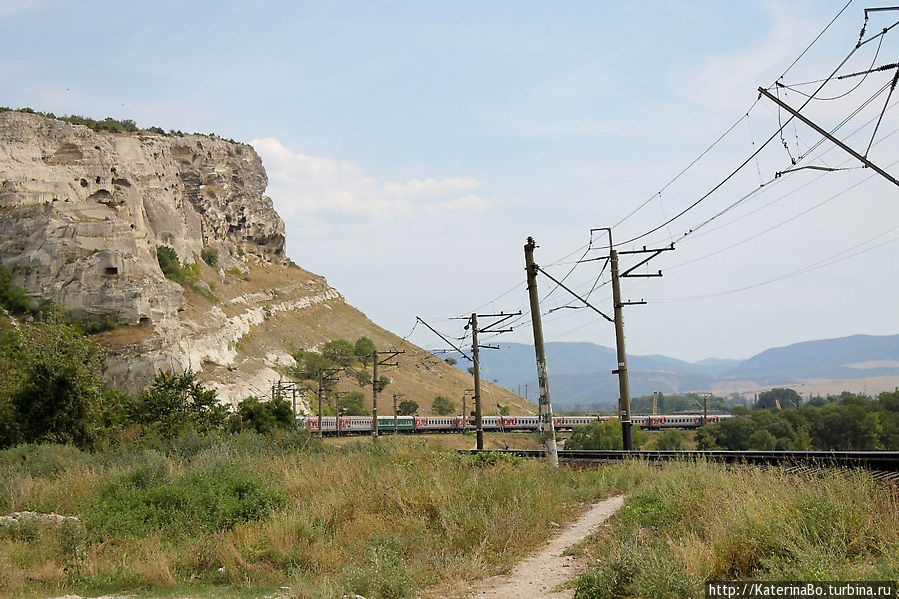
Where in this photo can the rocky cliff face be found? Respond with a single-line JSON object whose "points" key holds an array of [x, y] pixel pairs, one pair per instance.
{"points": [[82, 213]]}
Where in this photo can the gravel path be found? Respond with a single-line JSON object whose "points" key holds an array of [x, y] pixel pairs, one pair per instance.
{"points": [[537, 576]]}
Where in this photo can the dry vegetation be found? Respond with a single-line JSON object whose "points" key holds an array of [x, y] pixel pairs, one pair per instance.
{"points": [[688, 523], [250, 515], [247, 515]]}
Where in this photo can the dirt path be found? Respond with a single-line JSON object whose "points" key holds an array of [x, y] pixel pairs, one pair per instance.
{"points": [[537, 576]]}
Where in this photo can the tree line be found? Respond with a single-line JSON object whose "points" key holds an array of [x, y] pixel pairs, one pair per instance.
{"points": [[847, 422]]}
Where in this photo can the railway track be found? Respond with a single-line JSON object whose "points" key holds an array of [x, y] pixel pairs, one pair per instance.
{"points": [[882, 464]]}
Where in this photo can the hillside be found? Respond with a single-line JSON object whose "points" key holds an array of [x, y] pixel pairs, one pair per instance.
{"points": [[84, 213]]}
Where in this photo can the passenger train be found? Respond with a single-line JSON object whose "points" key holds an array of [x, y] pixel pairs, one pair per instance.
{"points": [[451, 424]]}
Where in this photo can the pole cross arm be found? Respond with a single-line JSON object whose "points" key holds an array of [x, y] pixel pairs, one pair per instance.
{"points": [[836, 141], [503, 317], [655, 252], [585, 302], [392, 353]]}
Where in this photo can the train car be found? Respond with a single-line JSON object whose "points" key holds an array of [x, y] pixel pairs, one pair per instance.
{"points": [[667, 421], [511, 423], [438, 423]]}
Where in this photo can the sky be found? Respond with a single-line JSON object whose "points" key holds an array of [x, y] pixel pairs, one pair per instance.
{"points": [[412, 147]]}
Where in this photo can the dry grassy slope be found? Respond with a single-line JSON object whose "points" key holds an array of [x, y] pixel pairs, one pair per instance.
{"points": [[420, 376]]}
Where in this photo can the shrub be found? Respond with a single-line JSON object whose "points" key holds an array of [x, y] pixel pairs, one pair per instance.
{"points": [[176, 403], [407, 408], [210, 255], [169, 263], [442, 406], [12, 297], [146, 498], [603, 435]]}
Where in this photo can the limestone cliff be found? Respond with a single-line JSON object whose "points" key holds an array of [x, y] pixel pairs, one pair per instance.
{"points": [[81, 216]]}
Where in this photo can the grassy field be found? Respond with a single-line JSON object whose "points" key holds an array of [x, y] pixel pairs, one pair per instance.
{"points": [[687, 523], [248, 516]]}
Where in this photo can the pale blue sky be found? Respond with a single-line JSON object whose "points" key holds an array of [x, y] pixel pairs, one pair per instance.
{"points": [[413, 146]]}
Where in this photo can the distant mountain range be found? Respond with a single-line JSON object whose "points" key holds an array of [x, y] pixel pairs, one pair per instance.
{"points": [[581, 373]]}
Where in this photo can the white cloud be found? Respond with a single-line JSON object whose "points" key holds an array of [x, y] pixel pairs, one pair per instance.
{"points": [[303, 185], [430, 187], [730, 80]]}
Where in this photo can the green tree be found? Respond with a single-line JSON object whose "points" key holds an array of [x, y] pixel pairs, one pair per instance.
{"points": [[670, 439], [339, 352], [762, 440], [788, 398], [311, 365], [382, 383], [263, 416], [603, 435], [407, 408], [450, 361], [364, 350], [55, 391], [442, 406], [176, 403], [351, 404], [503, 410]]}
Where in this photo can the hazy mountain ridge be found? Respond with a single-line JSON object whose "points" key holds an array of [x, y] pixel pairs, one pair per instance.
{"points": [[581, 373]]}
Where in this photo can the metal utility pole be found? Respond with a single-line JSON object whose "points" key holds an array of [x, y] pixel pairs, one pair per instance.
{"points": [[863, 159], [473, 323], [545, 426], [655, 403]]}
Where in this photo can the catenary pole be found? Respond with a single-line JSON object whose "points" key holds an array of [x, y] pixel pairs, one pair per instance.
{"points": [[624, 401], [545, 426], [479, 427]]}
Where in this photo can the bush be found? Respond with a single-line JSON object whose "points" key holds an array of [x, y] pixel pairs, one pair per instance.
{"points": [[169, 263], [146, 498], [177, 403], [263, 416], [12, 297], [670, 439], [442, 406], [54, 388], [210, 255], [603, 435], [407, 408]]}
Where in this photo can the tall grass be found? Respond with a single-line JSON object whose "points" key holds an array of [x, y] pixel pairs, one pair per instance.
{"points": [[688, 523], [246, 515]]}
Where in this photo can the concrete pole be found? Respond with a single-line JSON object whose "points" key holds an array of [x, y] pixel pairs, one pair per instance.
{"points": [[319, 404], [624, 402], [479, 427], [545, 427], [374, 396]]}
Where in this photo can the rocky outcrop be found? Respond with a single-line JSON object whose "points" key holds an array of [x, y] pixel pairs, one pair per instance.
{"points": [[81, 213], [81, 216]]}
